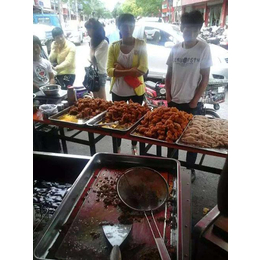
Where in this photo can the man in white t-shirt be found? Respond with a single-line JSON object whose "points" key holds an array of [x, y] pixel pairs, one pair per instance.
{"points": [[188, 72]]}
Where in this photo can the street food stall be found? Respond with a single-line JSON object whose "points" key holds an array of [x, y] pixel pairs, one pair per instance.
{"points": [[91, 193], [211, 140]]}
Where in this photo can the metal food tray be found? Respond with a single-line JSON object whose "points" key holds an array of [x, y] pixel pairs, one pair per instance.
{"points": [[80, 193], [55, 118], [94, 122], [217, 150]]}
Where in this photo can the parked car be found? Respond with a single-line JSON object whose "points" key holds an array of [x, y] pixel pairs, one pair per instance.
{"points": [[150, 19], [151, 33], [159, 48], [47, 19]]}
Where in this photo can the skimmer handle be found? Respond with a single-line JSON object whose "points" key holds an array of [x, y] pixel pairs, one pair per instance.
{"points": [[115, 253], [162, 249]]}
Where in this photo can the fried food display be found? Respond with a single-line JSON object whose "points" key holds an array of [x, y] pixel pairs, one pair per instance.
{"points": [[125, 113], [87, 108], [205, 132], [164, 123]]}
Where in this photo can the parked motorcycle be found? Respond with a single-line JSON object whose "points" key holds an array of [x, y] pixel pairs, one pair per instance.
{"points": [[155, 94], [214, 94], [215, 35], [224, 43]]}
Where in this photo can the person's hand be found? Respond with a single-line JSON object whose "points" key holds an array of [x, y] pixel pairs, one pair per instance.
{"points": [[168, 97], [193, 104], [55, 68], [134, 72], [35, 87], [118, 66], [56, 47], [52, 81]]}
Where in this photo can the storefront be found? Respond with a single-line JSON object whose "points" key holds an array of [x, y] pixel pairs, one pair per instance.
{"points": [[214, 12], [177, 11], [165, 7]]}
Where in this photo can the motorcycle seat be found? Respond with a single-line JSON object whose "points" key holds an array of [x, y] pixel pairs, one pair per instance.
{"points": [[150, 84]]}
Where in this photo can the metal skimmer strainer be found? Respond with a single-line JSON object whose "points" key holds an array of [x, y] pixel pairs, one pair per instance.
{"points": [[144, 189]]}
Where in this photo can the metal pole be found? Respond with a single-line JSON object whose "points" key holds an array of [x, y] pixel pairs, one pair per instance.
{"points": [[69, 7], [76, 7], [60, 13], [54, 5]]}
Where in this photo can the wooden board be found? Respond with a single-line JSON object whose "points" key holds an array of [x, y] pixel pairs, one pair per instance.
{"points": [[220, 227]]}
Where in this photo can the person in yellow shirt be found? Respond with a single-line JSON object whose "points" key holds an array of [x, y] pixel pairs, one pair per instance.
{"points": [[62, 57], [127, 63]]}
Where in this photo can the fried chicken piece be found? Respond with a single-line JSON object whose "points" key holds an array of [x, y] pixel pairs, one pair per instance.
{"points": [[126, 113], [73, 112], [162, 120], [95, 105]]}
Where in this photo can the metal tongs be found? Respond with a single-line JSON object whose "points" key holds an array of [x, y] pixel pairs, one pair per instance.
{"points": [[111, 123]]}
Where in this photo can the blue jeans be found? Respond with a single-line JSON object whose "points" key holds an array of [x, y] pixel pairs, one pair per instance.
{"points": [[191, 157], [102, 80]]}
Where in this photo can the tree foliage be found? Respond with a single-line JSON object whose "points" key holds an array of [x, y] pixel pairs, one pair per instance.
{"points": [[117, 10], [138, 7], [130, 6], [90, 7], [149, 7]]}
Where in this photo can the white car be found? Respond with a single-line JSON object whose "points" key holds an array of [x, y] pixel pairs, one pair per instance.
{"points": [[151, 33], [150, 19], [158, 49], [74, 35]]}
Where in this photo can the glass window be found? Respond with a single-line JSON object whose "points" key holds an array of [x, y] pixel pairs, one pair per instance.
{"points": [[157, 37], [56, 21], [44, 20], [152, 35]]}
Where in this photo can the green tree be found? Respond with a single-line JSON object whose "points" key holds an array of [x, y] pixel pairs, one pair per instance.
{"points": [[129, 6], [94, 7], [149, 7], [117, 10]]}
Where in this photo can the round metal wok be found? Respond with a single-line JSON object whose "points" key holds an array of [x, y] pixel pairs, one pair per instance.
{"points": [[144, 189]]}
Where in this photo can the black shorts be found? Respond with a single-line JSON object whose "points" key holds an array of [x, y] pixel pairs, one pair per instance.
{"points": [[66, 80], [185, 107], [136, 99]]}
